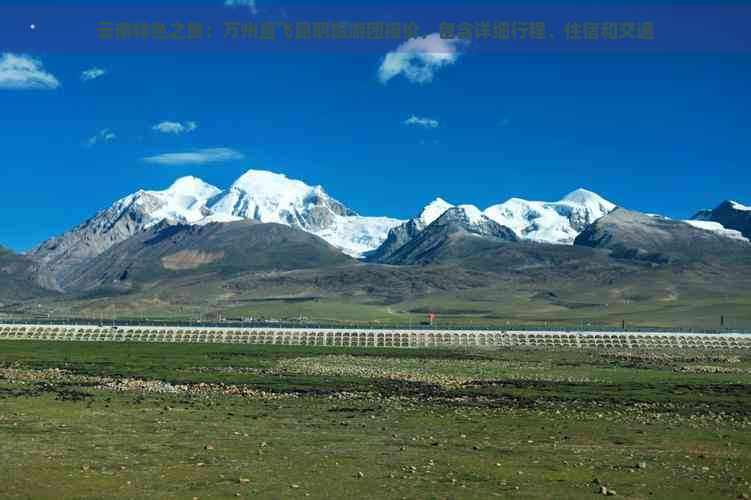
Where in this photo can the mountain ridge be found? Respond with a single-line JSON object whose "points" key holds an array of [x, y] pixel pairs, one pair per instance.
{"points": [[271, 197]]}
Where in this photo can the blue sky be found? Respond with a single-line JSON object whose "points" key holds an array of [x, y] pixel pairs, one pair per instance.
{"points": [[665, 133]]}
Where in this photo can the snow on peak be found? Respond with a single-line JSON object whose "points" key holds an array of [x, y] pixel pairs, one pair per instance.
{"points": [[556, 222], [738, 206], [270, 197], [184, 201], [257, 181], [587, 198], [433, 210], [192, 186], [267, 197], [473, 214], [718, 228]]}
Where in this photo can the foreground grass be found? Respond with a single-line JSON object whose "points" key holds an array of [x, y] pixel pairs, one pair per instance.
{"points": [[370, 423]]}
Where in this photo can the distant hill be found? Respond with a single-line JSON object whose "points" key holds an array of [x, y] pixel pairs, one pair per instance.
{"points": [[19, 279]]}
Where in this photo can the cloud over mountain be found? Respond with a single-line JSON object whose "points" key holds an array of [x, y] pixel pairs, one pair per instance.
{"points": [[196, 157]]}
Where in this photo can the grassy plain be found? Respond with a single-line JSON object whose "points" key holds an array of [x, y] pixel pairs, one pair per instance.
{"points": [[83, 420]]}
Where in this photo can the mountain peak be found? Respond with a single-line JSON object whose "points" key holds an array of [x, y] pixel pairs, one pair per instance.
{"points": [[585, 197], [260, 181], [556, 222], [271, 197], [192, 186], [433, 210]]}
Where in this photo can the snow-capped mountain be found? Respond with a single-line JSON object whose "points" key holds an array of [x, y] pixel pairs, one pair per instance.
{"points": [[183, 202], [270, 197], [548, 222], [257, 195], [551, 222]]}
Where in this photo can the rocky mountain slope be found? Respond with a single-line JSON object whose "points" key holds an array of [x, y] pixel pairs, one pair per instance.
{"points": [[405, 232], [167, 252], [183, 202], [454, 233]]}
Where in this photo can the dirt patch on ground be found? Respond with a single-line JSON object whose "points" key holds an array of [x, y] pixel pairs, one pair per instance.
{"points": [[190, 259]]}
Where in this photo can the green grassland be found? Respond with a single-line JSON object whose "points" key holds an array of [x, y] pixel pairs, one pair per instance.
{"points": [[101, 420]]}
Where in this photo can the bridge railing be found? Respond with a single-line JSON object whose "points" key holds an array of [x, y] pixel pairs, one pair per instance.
{"points": [[355, 337]]}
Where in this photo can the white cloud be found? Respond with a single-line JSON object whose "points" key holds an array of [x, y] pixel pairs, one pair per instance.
{"points": [[196, 157], [92, 74], [22, 72], [417, 121], [175, 127], [243, 3], [104, 135], [419, 58]]}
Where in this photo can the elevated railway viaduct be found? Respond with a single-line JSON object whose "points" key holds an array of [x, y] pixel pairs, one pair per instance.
{"points": [[355, 337]]}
